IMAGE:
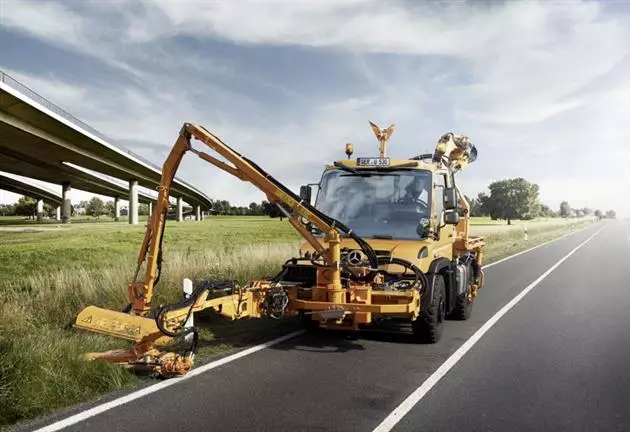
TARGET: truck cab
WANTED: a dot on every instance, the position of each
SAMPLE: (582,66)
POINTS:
(402,208)
(409,209)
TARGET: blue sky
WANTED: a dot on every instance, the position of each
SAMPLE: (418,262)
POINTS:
(542,88)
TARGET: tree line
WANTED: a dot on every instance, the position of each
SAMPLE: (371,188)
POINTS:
(25,206)
(517,198)
(264,208)
(96,207)
(508,199)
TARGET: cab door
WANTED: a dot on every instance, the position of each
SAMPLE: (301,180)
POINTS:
(443,243)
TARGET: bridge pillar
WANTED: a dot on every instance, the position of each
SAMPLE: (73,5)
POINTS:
(133,202)
(198,213)
(180,209)
(150,210)
(66,208)
(58,213)
(40,210)
(116,209)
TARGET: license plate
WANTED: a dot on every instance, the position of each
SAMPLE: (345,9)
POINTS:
(373,162)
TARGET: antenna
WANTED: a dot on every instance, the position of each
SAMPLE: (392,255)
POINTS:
(382,135)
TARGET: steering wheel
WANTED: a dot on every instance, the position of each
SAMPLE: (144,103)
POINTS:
(423,205)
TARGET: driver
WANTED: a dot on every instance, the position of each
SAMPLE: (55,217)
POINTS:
(414,191)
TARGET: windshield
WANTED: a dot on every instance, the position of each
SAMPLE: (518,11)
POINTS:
(386,204)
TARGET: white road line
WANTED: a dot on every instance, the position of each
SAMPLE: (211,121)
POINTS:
(392,419)
(155,387)
(533,248)
(151,389)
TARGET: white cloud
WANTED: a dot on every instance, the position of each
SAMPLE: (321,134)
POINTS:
(64,94)
(543,88)
(58,24)
(67,28)
(357,25)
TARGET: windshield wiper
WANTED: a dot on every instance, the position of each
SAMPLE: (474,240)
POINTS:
(363,173)
(346,168)
(402,165)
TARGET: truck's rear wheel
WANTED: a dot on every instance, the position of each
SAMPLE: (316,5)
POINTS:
(463,302)
(463,307)
(427,328)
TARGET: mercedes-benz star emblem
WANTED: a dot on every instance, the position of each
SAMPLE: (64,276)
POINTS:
(355,258)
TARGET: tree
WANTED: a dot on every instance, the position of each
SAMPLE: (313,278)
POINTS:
(25,206)
(599,214)
(254,208)
(512,199)
(223,207)
(110,209)
(545,211)
(143,209)
(476,209)
(610,214)
(484,205)
(50,211)
(95,207)
(7,210)
(565,209)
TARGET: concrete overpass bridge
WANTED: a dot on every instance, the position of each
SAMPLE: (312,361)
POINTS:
(42,195)
(41,141)
(84,180)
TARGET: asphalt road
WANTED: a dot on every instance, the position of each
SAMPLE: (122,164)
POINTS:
(553,362)
(558,361)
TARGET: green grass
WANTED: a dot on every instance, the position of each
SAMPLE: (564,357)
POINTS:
(25,220)
(48,248)
(51,271)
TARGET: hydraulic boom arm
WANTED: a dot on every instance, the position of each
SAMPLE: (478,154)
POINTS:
(141,291)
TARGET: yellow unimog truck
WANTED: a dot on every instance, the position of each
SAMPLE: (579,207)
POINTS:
(409,210)
(385,238)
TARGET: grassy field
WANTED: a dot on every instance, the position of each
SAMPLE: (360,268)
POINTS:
(51,271)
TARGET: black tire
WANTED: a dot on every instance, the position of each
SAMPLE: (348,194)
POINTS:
(463,304)
(427,328)
(463,308)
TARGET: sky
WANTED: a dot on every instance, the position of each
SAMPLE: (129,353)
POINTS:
(541,88)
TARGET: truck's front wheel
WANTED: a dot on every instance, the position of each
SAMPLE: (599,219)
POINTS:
(427,328)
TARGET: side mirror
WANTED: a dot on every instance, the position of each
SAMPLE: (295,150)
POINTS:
(305,193)
(451,218)
(450,199)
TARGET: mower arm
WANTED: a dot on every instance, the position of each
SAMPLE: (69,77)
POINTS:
(141,290)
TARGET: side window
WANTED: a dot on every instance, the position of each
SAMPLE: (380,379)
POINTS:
(440,184)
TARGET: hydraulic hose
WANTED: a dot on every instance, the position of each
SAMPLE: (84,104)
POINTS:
(419,274)
(159,256)
(365,247)
(188,302)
